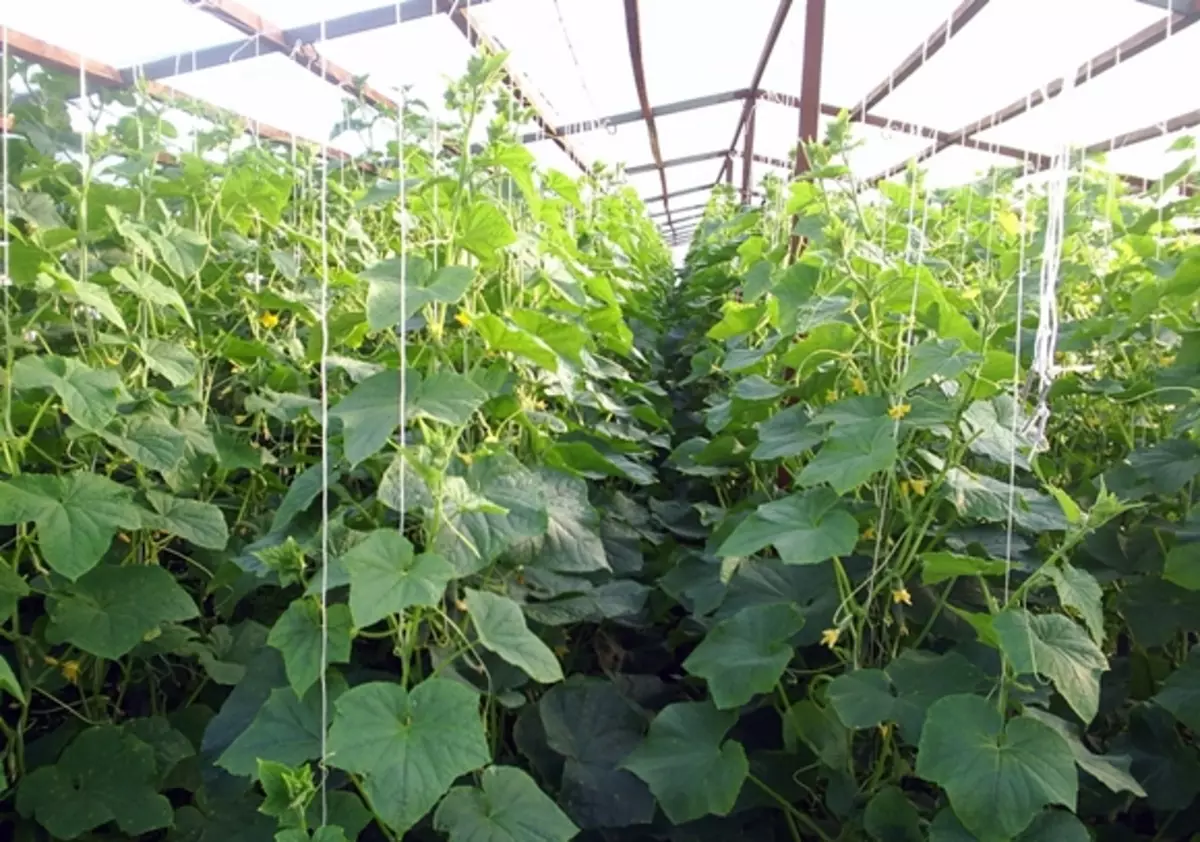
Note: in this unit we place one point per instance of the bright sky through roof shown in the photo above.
(573, 58)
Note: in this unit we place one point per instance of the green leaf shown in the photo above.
(171, 360)
(823, 342)
(1056, 647)
(193, 520)
(819, 729)
(746, 654)
(386, 577)
(594, 728)
(756, 388)
(862, 699)
(566, 339)
(111, 609)
(851, 457)
(298, 635)
(9, 682)
(921, 678)
(684, 739)
(76, 516)
(998, 776)
(805, 528)
(501, 628)
(1180, 693)
(737, 319)
(507, 807)
(89, 396)
(938, 567)
(422, 286)
(485, 230)
(471, 540)
(409, 747)
(571, 542)
(1112, 770)
(943, 358)
(986, 498)
(371, 412)
(104, 775)
(787, 433)
(1183, 566)
(1079, 591)
(505, 338)
(891, 817)
(151, 290)
(286, 729)
(12, 589)
(152, 442)
(97, 298)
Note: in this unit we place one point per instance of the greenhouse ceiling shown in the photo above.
(685, 93)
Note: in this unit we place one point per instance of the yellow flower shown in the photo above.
(859, 386)
(898, 411)
(831, 395)
(868, 533)
(970, 294)
(919, 486)
(70, 671)
(268, 320)
(829, 637)
(901, 596)
(462, 318)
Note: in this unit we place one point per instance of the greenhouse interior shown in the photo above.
(600, 420)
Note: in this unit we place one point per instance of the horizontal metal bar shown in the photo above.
(1175, 124)
(614, 120)
(310, 33)
(689, 191)
(676, 162)
(700, 206)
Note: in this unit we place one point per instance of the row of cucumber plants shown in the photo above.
(940, 627)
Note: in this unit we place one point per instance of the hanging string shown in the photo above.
(402, 178)
(324, 376)
(5, 264)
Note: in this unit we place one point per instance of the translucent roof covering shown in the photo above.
(990, 94)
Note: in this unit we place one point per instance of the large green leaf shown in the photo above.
(105, 775)
(685, 738)
(787, 433)
(805, 528)
(921, 678)
(386, 577)
(471, 539)
(109, 610)
(746, 654)
(571, 542)
(1180, 693)
(89, 396)
(944, 358)
(504, 337)
(506, 807)
(891, 817)
(998, 776)
(863, 698)
(298, 635)
(593, 729)
(153, 443)
(409, 747)
(8, 681)
(1056, 647)
(193, 520)
(484, 230)
(1182, 566)
(286, 729)
(421, 285)
(501, 628)
(371, 412)
(1112, 770)
(76, 516)
(1079, 591)
(939, 566)
(171, 360)
(737, 319)
(151, 290)
(852, 456)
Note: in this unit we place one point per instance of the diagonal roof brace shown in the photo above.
(633, 29)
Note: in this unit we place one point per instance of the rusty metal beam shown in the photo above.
(915, 60)
(339, 27)
(810, 78)
(747, 156)
(1098, 65)
(244, 19)
(103, 75)
(764, 58)
(1175, 124)
(701, 206)
(685, 192)
(516, 85)
(633, 30)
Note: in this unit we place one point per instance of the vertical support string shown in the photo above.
(402, 178)
(324, 376)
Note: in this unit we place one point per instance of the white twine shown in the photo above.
(324, 376)
(5, 268)
(402, 168)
